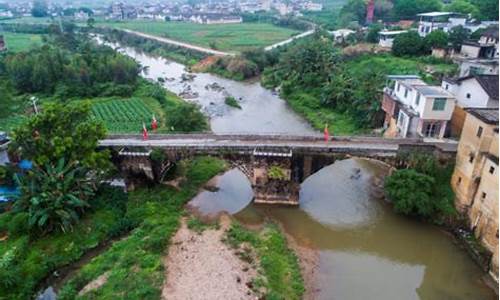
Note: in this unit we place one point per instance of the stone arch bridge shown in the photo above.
(276, 165)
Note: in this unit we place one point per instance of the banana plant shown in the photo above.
(55, 196)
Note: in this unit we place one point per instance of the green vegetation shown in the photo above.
(279, 268)
(135, 263)
(328, 87)
(16, 42)
(224, 37)
(231, 101)
(26, 260)
(198, 226)
(276, 172)
(123, 115)
(353, 13)
(175, 53)
(61, 142)
(423, 190)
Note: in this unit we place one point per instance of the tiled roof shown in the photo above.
(489, 84)
(487, 115)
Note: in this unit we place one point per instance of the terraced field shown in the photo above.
(124, 115)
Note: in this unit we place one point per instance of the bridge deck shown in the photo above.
(251, 142)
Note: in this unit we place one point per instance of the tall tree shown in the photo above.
(408, 9)
(39, 9)
(409, 43)
(62, 131)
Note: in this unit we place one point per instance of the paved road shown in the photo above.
(180, 44)
(303, 34)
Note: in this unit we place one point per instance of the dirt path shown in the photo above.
(179, 44)
(200, 266)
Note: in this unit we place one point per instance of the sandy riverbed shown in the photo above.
(201, 266)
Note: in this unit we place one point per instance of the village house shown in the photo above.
(415, 109)
(486, 47)
(473, 91)
(340, 35)
(215, 19)
(475, 178)
(386, 38)
(431, 21)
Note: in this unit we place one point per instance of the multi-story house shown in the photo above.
(473, 91)
(432, 21)
(475, 178)
(445, 21)
(416, 109)
(386, 38)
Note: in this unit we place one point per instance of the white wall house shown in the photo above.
(478, 91)
(386, 38)
(421, 110)
(434, 21)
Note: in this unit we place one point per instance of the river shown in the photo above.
(365, 251)
(263, 111)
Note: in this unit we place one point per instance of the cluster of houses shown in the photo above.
(465, 108)
(211, 12)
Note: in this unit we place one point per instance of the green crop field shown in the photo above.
(21, 41)
(225, 37)
(124, 115)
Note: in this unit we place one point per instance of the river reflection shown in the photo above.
(365, 250)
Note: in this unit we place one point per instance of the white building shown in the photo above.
(415, 109)
(478, 91)
(386, 38)
(311, 6)
(341, 34)
(215, 19)
(436, 21)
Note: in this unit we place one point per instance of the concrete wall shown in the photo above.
(464, 180)
(427, 113)
(469, 93)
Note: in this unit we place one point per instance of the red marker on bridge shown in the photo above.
(326, 133)
(144, 132)
(154, 123)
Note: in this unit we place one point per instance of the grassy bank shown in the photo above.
(309, 106)
(16, 42)
(224, 37)
(26, 260)
(279, 269)
(134, 264)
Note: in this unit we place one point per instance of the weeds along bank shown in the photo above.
(328, 86)
(146, 219)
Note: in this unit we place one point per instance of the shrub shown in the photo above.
(409, 43)
(411, 193)
(18, 225)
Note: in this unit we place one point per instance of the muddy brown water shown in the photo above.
(365, 250)
(262, 110)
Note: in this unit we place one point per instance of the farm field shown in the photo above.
(126, 115)
(21, 41)
(224, 37)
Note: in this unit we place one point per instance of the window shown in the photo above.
(471, 157)
(447, 86)
(468, 95)
(492, 170)
(459, 181)
(439, 104)
(479, 132)
(417, 101)
(483, 195)
(397, 86)
(406, 92)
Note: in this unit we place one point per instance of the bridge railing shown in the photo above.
(269, 136)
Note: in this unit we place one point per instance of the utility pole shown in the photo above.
(33, 102)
